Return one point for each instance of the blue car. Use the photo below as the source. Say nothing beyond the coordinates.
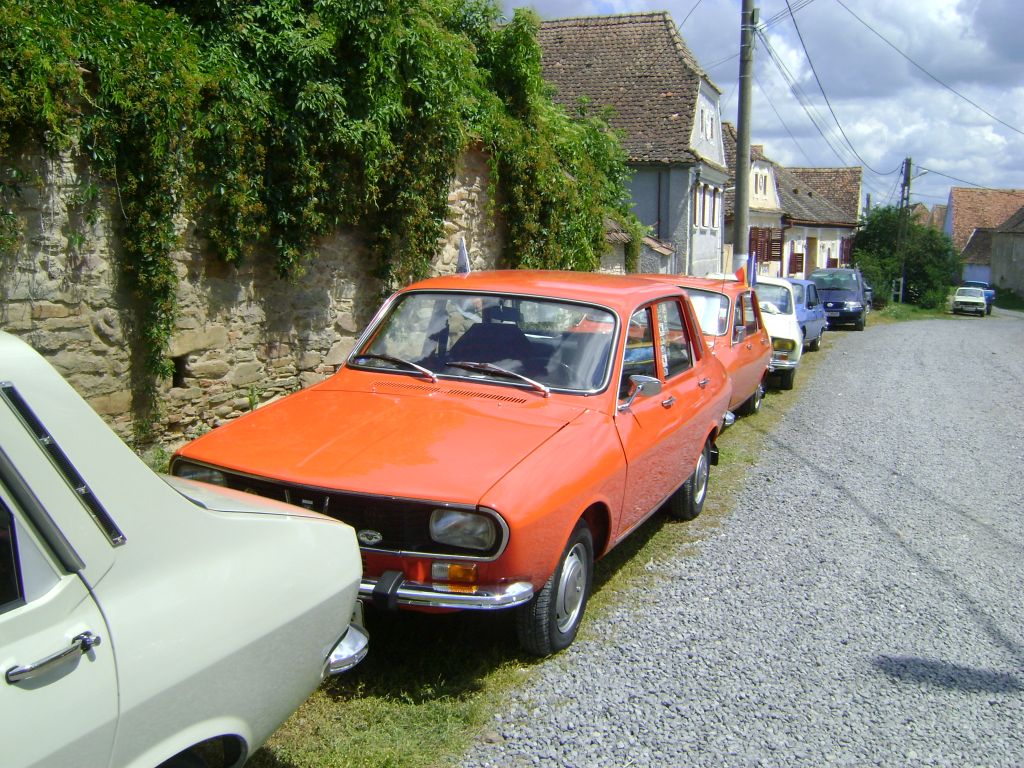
(810, 312)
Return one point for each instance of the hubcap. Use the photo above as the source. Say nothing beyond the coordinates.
(571, 587)
(700, 478)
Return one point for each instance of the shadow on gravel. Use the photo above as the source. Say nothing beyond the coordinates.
(944, 675)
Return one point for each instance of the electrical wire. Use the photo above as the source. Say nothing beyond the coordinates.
(781, 121)
(948, 87)
(695, 7)
(849, 143)
(954, 178)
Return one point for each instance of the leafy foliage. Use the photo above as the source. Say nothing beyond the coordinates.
(275, 122)
(924, 256)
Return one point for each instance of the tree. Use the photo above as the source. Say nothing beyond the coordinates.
(925, 258)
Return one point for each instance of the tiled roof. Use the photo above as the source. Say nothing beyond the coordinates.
(919, 213)
(980, 208)
(1014, 224)
(804, 204)
(979, 247)
(638, 65)
(840, 185)
(799, 201)
(937, 217)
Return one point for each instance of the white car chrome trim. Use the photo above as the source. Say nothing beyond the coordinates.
(485, 598)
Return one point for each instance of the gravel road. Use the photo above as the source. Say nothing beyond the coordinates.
(862, 606)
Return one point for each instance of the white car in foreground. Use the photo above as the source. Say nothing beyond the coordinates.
(778, 308)
(141, 616)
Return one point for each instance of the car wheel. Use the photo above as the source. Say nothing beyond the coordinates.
(550, 621)
(752, 404)
(187, 759)
(786, 378)
(988, 309)
(815, 345)
(688, 502)
(859, 325)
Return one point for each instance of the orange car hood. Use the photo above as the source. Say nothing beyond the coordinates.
(424, 444)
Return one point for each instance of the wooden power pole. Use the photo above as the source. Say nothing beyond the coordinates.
(741, 208)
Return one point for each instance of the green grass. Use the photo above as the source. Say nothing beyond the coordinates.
(432, 683)
(1007, 299)
(897, 313)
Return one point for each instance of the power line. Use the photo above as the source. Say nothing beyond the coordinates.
(824, 95)
(770, 22)
(695, 7)
(933, 77)
(954, 178)
(783, 122)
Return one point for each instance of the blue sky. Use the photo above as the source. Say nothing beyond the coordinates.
(891, 101)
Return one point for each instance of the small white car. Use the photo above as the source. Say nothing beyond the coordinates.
(970, 300)
(146, 621)
(778, 308)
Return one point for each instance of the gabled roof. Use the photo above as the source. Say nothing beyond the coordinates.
(920, 214)
(980, 208)
(1014, 224)
(979, 247)
(638, 65)
(803, 204)
(937, 218)
(800, 203)
(840, 185)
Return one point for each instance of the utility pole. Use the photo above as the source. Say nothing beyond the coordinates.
(901, 229)
(741, 216)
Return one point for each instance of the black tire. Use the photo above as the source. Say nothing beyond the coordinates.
(688, 502)
(988, 309)
(752, 404)
(815, 345)
(550, 621)
(786, 378)
(859, 325)
(185, 760)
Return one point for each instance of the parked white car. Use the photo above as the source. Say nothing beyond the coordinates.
(778, 308)
(142, 616)
(970, 300)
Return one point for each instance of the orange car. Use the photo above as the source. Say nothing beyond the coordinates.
(490, 435)
(730, 318)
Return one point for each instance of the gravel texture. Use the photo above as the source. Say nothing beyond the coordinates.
(863, 605)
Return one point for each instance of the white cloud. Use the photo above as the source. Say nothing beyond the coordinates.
(888, 107)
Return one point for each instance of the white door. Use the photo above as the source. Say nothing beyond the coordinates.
(58, 696)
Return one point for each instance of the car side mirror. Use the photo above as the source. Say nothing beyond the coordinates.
(739, 333)
(641, 386)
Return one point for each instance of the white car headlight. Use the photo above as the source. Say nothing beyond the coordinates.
(460, 528)
(191, 471)
(854, 305)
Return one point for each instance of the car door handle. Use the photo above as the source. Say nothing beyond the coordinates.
(750, 346)
(703, 383)
(668, 403)
(80, 644)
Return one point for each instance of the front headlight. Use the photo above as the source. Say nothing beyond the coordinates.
(854, 305)
(460, 528)
(190, 471)
(783, 345)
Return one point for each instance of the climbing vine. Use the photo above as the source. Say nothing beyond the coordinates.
(272, 123)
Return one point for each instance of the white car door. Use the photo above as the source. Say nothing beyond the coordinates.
(58, 695)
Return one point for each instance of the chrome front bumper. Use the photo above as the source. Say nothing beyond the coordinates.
(350, 650)
(391, 591)
(782, 365)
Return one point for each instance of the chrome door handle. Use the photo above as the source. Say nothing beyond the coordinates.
(750, 346)
(703, 383)
(668, 403)
(80, 644)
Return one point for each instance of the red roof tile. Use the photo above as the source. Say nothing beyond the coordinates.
(980, 208)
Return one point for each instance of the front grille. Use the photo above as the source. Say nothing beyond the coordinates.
(402, 524)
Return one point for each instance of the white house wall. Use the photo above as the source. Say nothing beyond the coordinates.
(829, 245)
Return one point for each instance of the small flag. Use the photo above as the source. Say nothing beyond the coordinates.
(462, 265)
(741, 275)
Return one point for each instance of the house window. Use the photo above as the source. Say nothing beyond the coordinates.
(714, 208)
(696, 205)
(704, 205)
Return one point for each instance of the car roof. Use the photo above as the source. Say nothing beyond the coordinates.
(616, 291)
(729, 285)
(799, 281)
(781, 281)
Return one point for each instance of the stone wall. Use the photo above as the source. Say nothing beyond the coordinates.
(1008, 261)
(243, 335)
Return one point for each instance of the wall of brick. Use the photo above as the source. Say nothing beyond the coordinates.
(243, 337)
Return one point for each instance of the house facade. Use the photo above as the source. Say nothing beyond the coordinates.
(970, 209)
(1007, 258)
(668, 111)
(795, 227)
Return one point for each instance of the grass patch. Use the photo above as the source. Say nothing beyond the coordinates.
(1007, 299)
(898, 313)
(432, 683)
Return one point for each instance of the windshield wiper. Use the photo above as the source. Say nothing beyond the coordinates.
(399, 361)
(491, 368)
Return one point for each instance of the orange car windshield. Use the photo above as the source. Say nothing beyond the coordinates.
(561, 345)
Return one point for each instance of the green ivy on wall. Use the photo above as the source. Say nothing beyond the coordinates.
(273, 123)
